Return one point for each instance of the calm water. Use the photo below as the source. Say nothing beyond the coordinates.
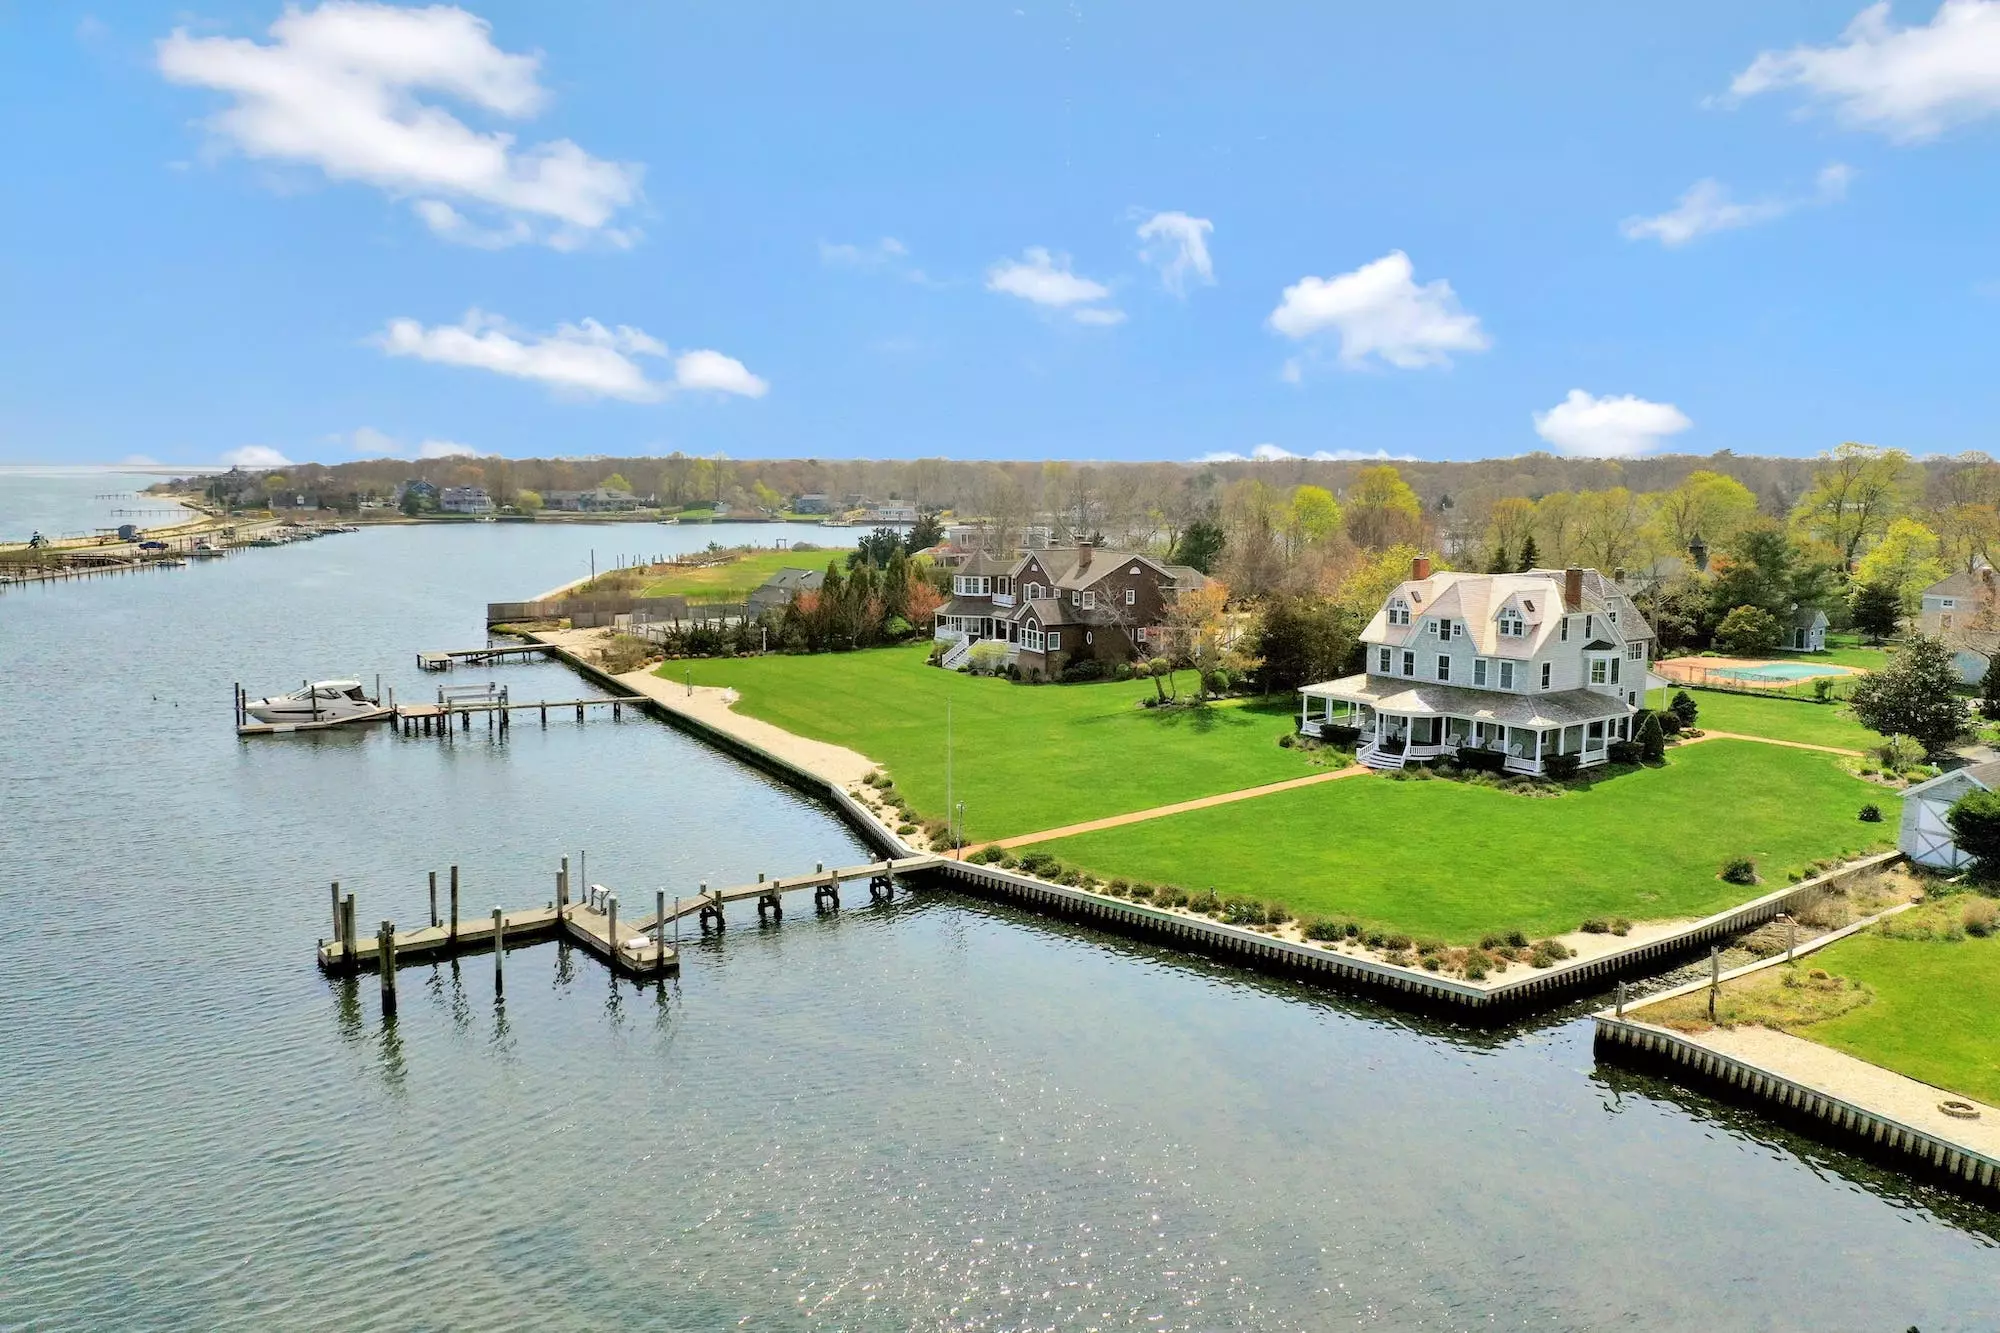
(941, 1115)
(67, 502)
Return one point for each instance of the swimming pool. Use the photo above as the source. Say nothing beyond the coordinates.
(1781, 671)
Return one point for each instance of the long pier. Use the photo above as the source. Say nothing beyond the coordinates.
(636, 947)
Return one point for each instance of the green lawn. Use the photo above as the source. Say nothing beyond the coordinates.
(1933, 1014)
(739, 578)
(1846, 650)
(1779, 719)
(1025, 757)
(1452, 861)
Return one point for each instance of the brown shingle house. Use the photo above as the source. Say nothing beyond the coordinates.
(1063, 605)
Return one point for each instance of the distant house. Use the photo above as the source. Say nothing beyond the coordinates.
(893, 511)
(783, 587)
(1961, 611)
(1925, 836)
(426, 493)
(812, 504)
(1805, 632)
(465, 500)
(1063, 605)
(597, 500)
(1549, 662)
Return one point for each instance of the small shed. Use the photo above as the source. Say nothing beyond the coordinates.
(1807, 631)
(1925, 836)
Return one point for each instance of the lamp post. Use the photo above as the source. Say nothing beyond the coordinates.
(958, 840)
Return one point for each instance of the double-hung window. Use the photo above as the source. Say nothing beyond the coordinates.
(1399, 611)
(1409, 663)
(1634, 651)
(1131, 596)
(1565, 629)
(1614, 671)
(1599, 672)
(1506, 675)
(1090, 601)
(1444, 667)
(1548, 672)
(1479, 668)
(1055, 640)
(1511, 625)
(1382, 660)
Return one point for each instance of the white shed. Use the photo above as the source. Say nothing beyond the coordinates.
(1807, 631)
(1925, 836)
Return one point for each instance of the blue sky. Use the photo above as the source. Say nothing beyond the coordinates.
(897, 229)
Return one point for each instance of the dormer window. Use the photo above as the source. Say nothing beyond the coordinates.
(1399, 611)
(1511, 624)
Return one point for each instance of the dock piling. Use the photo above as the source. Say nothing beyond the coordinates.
(434, 898)
(347, 941)
(1714, 978)
(336, 909)
(660, 921)
(611, 930)
(499, 949)
(385, 952)
(453, 929)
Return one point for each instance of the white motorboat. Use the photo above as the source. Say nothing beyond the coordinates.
(321, 701)
(206, 551)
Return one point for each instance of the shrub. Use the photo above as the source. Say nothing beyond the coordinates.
(1475, 966)
(1562, 767)
(1396, 943)
(1669, 724)
(1899, 753)
(1242, 912)
(1088, 668)
(1739, 870)
(1040, 863)
(1684, 710)
(1748, 631)
(1517, 940)
(1482, 761)
(1206, 902)
(1142, 891)
(1431, 962)
(1345, 737)
(905, 830)
(1320, 928)
(1171, 895)
(1287, 741)
(1596, 926)
(1823, 690)
(1871, 813)
(1373, 939)
(1975, 827)
(1982, 917)
(1490, 941)
(1121, 887)
(1624, 752)
(1652, 739)
(1620, 926)
(1276, 914)
(1430, 946)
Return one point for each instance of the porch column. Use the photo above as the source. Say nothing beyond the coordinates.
(1305, 710)
(1538, 751)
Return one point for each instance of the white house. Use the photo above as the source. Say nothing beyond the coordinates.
(1550, 662)
(465, 500)
(1925, 836)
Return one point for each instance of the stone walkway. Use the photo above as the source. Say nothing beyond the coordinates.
(1179, 807)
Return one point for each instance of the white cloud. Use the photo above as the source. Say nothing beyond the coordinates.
(1379, 311)
(585, 360)
(886, 255)
(1177, 245)
(368, 440)
(1910, 83)
(1608, 427)
(255, 457)
(446, 449)
(712, 370)
(1707, 208)
(1044, 279)
(338, 88)
(1271, 453)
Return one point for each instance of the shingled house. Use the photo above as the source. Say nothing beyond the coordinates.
(1062, 605)
(1550, 662)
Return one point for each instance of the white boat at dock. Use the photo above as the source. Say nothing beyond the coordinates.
(320, 703)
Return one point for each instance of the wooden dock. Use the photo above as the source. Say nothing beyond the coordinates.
(480, 656)
(429, 719)
(636, 947)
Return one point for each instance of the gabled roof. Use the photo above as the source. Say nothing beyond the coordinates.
(1808, 617)
(1986, 776)
(1976, 583)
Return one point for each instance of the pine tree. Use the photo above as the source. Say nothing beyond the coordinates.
(1499, 564)
(1989, 691)
(1530, 557)
(1652, 740)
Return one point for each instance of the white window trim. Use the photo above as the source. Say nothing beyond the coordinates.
(1443, 667)
(1481, 672)
(1089, 601)
(1131, 596)
(1409, 662)
(1055, 640)
(1506, 675)
(1383, 661)
(1548, 673)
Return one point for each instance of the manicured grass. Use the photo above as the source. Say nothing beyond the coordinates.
(1933, 1014)
(1025, 757)
(739, 578)
(1451, 860)
(1779, 719)
(1846, 650)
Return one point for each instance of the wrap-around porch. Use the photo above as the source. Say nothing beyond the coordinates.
(1396, 722)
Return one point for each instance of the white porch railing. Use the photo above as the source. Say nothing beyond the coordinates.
(955, 656)
(945, 634)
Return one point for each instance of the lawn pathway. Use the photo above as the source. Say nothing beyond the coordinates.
(1180, 807)
(1771, 740)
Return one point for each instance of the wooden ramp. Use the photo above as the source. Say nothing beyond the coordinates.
(707, 903)
(636, 954)
(515, 652)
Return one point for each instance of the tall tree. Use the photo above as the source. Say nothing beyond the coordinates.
(1914, 696)
(1510, 523)
(1856, 491)
(1312, 515)
(1529, 555)
(1906, 559)
(1382, 510)
(1706, 504)
(1201, 542)
(1877, 609)
(1300, 640)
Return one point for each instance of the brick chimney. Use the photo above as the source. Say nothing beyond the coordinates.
(1420, 568)
(1573, 588)
(1083, 555)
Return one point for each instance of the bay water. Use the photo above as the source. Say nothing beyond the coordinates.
(941, 1114)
